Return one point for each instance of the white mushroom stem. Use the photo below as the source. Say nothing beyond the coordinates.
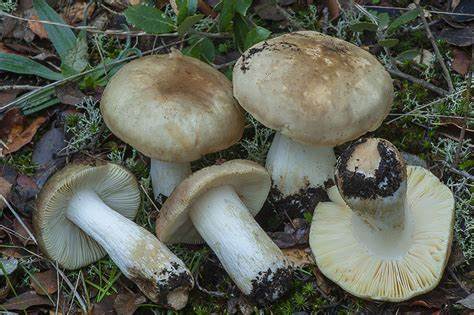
(136, 252)
(246, 252)
(295, 166)
(165, 176)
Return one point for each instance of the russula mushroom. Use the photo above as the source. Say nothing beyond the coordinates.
(317, 92)
(174, 109)
(85, 212)
(386, 233)
(217, 204)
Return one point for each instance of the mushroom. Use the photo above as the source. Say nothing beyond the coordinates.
(174, 109)
(85, 212)
(217, 204)
(386, 233)
(317, 92)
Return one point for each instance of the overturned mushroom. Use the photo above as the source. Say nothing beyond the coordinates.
(387, 232)
(317, 92)
(174, 109)
(218, 203)
(85, 212)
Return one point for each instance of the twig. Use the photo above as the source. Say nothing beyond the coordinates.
(211, 293)
(438, 55)
(421, 82)
(453, 275)
(459, 172)
(19, 87)
(78, 297)
(224, 65)
(408, 9)
(93, 29)
(73, 77)
(440, 100)
(462, 134)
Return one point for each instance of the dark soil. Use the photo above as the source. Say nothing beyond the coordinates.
(269, 283)
(354, 184)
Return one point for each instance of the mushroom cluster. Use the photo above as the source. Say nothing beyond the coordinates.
(385, 234)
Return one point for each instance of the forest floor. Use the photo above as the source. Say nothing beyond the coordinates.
(57, 56)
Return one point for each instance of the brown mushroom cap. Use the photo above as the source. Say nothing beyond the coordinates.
(313, 88)
(250, 181)
(58, 237)
(172, 108)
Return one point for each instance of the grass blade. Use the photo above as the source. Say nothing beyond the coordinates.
(62, 37)
(23, 65)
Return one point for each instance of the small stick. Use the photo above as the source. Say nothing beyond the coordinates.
(457, 155)
(19, 87)
(439, 57)
(421, 82)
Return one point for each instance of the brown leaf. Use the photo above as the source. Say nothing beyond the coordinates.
(11, 252)
(105, 307)
(5, 188)
(321, 281)
(75, 13)
(14, 132)
(461, 61)
(5, 49)
(298, 257)
(69, 94)
(44, 283)
(37, 27)
(8, 96)
(334, 8)
(127, 303)
(24, 301)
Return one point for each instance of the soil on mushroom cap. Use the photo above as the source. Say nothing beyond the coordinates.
(268, 283)
(357, 185)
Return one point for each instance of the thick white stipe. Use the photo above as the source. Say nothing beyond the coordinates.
(241, 245)
(294, 166)
(165, 176)
(136, 252)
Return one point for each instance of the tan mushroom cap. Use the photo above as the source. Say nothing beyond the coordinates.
(347, 261)
(313, 88)
(58, 237)
(250, 181)
(172, 108)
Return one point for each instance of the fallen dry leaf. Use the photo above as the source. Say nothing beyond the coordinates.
(105, 307)
(24, 301)
(5, 188)
(321, 281)
(37, 27)
(127, 303)
(5, 49)
(8, 96)
(44, 283)
(11, 252)
(298, 257)
(75, 13)
(334, 8)
(455, 121)
(14, 133)
(461, 61)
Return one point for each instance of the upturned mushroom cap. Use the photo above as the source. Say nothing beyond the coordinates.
(415, 266)
(250, 181)
(61, 239)
(313, 88)
(172, 108)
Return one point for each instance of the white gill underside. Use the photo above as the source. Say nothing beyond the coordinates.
(241, 245)
(165, 176)
(135, 251)
(294, 166)
(387, 266)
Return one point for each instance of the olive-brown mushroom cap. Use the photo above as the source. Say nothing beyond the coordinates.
(250, 181)
(172, 108)
(58, 237)
(313, 88)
